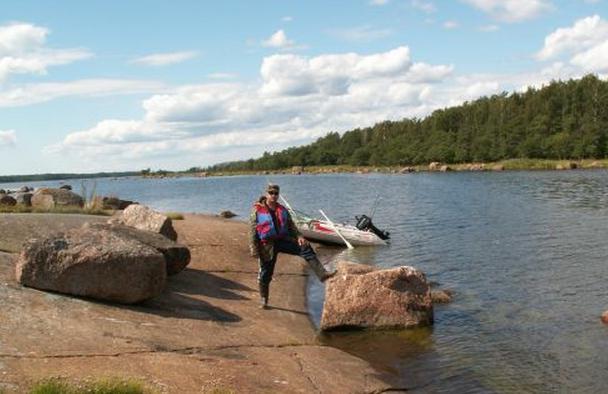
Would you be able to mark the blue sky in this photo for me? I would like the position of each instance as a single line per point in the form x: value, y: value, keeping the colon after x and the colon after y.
x: 125, y: 85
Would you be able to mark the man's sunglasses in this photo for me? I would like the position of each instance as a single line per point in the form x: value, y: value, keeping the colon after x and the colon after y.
x: 273, y: 193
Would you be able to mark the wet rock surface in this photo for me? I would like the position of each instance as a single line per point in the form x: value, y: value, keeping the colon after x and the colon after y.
x: 360, y: 296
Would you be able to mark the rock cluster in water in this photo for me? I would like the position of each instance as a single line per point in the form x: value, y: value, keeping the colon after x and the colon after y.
x: 110, y: 262
x: 361, y: 296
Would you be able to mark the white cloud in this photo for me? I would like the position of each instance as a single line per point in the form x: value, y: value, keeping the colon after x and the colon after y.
x: 287, y: 19
x: 422, y: 5
x: 378, y: 2
x: 584, y: 34
x: 299, y: 98
x: 42, y: 92
x: 8, y: 138
x: 360, y: 33
x: 23, y: 51
x: 594, y: 59
x: 278, y: 40
x: 512, y: 10
x: 165, y: 59
x: 450, y: 25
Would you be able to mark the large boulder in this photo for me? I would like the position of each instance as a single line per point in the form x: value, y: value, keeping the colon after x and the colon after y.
x: 47, y: 198
x: 7, y: 200
x: 144, y: 218
x: 177, y: 256
x: 95, y: 263
x: 360, y: 296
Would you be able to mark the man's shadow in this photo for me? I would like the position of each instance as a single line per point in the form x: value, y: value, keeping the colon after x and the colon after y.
x: 177, y: 301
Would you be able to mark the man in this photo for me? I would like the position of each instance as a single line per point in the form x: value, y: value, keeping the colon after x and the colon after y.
x: 272, y: 231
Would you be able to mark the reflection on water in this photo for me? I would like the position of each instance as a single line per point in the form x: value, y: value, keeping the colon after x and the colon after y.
x: 525, y: 253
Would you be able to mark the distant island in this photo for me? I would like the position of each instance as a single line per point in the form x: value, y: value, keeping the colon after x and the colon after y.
x: 53, y: 177
x: 563, y: 121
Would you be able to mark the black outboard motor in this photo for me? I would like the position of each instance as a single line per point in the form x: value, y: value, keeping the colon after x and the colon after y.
x: 364, y: 223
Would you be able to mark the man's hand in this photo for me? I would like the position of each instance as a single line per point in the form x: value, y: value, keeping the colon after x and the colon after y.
x: 302, y: 241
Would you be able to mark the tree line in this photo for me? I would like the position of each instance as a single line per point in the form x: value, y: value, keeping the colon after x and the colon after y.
x: 562, y: 120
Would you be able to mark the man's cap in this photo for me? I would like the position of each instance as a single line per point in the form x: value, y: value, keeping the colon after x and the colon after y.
x: 272, y: 187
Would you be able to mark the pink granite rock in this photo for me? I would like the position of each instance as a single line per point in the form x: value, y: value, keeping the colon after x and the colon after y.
x: 360, y: 296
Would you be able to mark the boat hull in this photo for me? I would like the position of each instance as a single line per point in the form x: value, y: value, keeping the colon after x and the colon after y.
x: 318, y: 231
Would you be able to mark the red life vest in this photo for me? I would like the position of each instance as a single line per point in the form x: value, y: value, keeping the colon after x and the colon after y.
x: 265, y: 225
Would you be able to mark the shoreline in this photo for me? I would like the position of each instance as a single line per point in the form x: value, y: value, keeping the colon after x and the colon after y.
x: 204, y: 333
x: 505, y: 165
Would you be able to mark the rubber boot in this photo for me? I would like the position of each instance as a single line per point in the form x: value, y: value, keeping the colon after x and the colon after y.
x: 264, y: 290
x: 318, y: 269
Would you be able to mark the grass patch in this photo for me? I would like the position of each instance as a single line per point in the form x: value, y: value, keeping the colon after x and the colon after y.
x: 174, y: 215
x: 101, y: 386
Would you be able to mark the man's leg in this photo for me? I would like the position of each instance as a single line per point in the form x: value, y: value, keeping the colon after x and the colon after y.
x: 267, y: 262
x: 307, y: 253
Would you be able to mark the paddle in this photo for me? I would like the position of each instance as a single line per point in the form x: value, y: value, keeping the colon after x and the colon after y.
x: 348, y: 245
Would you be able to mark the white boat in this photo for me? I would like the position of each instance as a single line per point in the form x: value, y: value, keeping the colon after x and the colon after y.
x: 323, y: 231
x: 326, y: 231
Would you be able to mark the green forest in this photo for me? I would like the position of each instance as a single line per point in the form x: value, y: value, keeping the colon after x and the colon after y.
x: 562, y: 120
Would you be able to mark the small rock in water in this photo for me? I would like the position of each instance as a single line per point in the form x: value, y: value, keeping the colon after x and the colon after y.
x: 605, y: 317
x: 441, y: 296
x: 227, y: 214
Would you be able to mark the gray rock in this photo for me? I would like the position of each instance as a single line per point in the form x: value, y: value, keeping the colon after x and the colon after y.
x: 66, y: 187
x: 442, y: 296
x: 227, y: 214
x: 177, y: 256
x: 93, y: 263
x: 7, y: 200
x: 360, y: 296
x: 115, y: 203
x: 144, y: 218
x: 46, y: 198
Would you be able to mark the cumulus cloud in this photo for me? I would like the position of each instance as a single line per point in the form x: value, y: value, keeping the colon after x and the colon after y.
x: 42, y: 92
x: 298, y: 98
x: 512, y: 10
x: 360, y: 33
x: 8, y: 138
x: 278, y: 40
x: 585, y: 33
x: 23, y: 51
x: 164, y: 59
x: 585, y: 42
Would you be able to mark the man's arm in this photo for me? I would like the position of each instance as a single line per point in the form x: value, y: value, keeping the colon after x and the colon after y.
x: 254, y: 241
